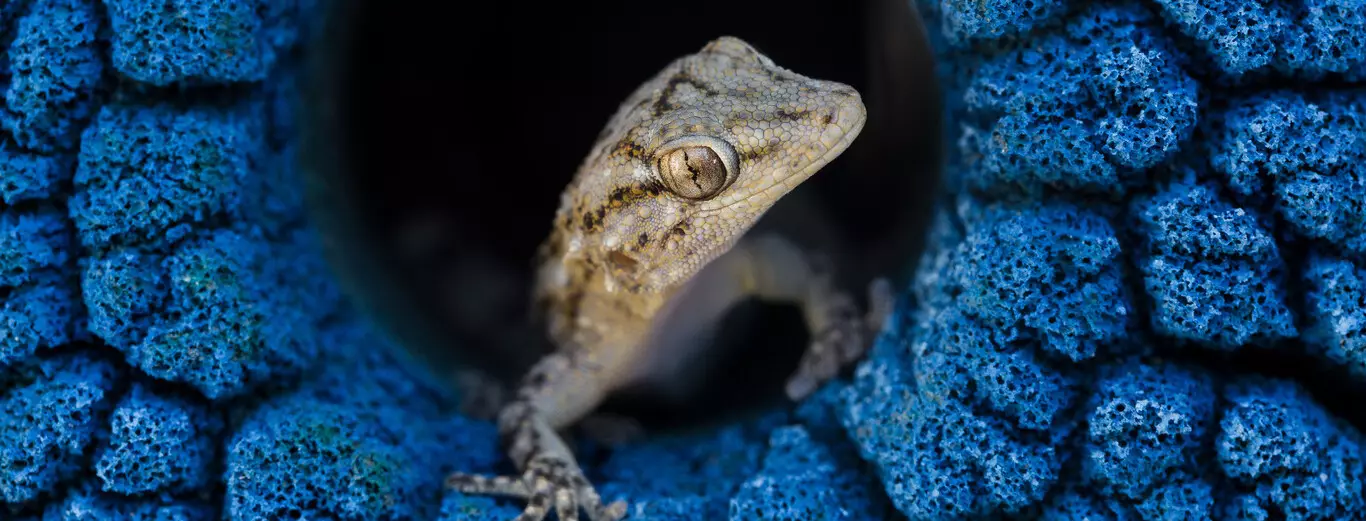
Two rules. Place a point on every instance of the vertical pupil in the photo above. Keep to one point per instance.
(705, 166)
(694, 172)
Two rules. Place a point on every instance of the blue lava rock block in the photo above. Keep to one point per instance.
(53, 413)
(39, 305)
(1042, 273)
(364, 439)
(41, 315)
(1212, 269)
(123, 291)
(936, 456)
(84, 502)
(686, 475)
(460, 507)
(147, 174)
(1308, 40)
(26, 176)
(800, 480)
(302, 457)
(1146, 431)
(57, 64)
(1286, 456)
(1335, 291)
(1087, 110)
(166, 42)
(968, 21)
(158, 444)
(32, 243)
(232, 323)
(1310, 150)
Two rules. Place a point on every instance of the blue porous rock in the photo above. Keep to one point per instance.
(53, 411)
(364, 439)
(1145, 447)
(158, 444)
(1017, 296)
(460, 507)
(32, 243)
(1307, 154)
(224, 312)
(1335, 292)
(1088, 109)
(57, 64)
(324, 460)
(200, 41)
(1286, 456)
(1241, 40)
(39, 305)
(688, 475)
(26, 176)
(801, 480)
(85, 502)
(43, 314)
(123, 290)
(971, 21)
(1212, 269)
(148, 174)
(1045, 274)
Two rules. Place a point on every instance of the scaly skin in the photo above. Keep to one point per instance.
(646, 253)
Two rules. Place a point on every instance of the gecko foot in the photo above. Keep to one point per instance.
(843, 340)
(547, 482)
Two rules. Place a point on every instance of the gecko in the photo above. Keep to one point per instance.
(648, 250)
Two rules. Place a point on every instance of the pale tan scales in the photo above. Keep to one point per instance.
(648, 251)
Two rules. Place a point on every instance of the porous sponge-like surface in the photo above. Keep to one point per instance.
(170, 348)
(1135, 196)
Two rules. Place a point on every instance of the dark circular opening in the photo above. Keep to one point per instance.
(451, 138)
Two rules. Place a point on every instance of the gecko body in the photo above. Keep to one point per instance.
(648, 251)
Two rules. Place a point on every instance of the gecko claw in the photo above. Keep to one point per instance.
(547, 483)
(843, 342)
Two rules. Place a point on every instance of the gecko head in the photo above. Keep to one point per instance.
(695, 156)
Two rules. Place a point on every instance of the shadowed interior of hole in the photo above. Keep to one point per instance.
(468, 127)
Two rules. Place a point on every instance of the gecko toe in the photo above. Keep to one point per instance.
(843, 341)
(830, 351)
(881, 301)
(565, 505)
(546, 485)
(484, 485)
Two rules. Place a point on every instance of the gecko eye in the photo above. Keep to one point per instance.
(696, 169)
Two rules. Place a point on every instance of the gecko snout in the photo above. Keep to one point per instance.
(846, 118)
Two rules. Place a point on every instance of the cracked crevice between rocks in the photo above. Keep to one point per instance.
(451, 146)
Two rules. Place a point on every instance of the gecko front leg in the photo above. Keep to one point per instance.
(558, 390)
(774, 269)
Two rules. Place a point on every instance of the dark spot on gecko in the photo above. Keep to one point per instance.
(791, 115)
(628, 195)
(756, 153)
(827, 118)
(643, 240)
(663, 104)
(591, 221)
(629, 148)
(680, 229)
